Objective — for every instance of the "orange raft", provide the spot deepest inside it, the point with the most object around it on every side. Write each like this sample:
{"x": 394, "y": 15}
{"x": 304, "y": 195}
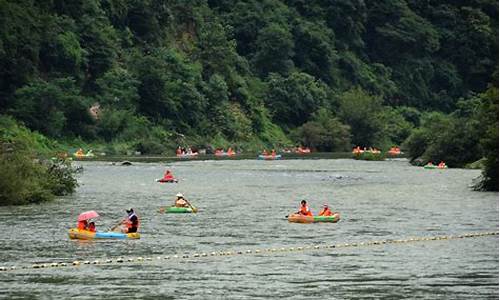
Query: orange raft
{"x": 297, "y": 218}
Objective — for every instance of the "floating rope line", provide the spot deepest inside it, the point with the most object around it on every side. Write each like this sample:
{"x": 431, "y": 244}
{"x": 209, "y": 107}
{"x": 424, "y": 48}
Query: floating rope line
{"x": 180, "y": 257}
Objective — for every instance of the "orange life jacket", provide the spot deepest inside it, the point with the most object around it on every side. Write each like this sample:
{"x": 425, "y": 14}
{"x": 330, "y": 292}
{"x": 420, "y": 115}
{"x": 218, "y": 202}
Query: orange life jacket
{"x": 82, "y": 225}
{"x": 304, "y": 210}
{"x": 128, "y": 223}
{"x": 325, "y": 212}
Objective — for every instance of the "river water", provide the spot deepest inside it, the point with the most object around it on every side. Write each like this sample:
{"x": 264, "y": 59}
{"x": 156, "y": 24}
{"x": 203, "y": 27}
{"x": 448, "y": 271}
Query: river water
{"x": 242, "y": 205}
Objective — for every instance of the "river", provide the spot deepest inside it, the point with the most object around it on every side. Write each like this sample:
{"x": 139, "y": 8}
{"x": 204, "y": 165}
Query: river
{"x": 242, "y": 206}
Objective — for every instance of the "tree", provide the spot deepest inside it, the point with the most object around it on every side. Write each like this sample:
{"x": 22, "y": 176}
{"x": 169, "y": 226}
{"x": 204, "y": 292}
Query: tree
{"x": 65, "y": 111}
{"x": 315, "y": 51}
{"x": 293, "y": 99}
{"x": 275, "y": 50}
{"x": 324, "y": 133}
{"x": 488, "y": 114}
{"x": 118, "y": 88}
{"x": 360, "y": 110}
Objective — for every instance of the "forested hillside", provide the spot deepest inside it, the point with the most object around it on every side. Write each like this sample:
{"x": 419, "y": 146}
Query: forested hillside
{"x": 250, "y": 74}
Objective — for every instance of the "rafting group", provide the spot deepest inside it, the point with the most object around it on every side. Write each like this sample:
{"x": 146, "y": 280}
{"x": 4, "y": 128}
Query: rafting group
{"x": 128, "y": 227}
{"x": 221, "y": 152}
{"x": 431, "y": 165}
{"x": 358, "y": 150}
{"x": 269, "y": 155}
{"x": 80, "y": 154}
{"x": 185, "y": 152}
{"x": 304, "y": 215}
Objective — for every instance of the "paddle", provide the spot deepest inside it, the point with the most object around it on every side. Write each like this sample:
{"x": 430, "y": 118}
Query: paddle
{"x": 114, "y": 227}
{"x": 192, "y": 208}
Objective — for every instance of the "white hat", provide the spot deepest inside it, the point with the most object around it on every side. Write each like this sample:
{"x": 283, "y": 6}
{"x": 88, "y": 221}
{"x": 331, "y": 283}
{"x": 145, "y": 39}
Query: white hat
{"x": 179, "y": 195}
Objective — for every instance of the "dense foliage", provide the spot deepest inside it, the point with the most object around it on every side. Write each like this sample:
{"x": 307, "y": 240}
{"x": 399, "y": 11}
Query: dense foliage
{"x": 25, "y": 177}
{"x": 252, "y": 74}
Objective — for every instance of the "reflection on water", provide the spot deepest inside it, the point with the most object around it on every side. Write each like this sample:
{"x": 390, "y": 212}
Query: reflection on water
{"x": 243, "y": 205}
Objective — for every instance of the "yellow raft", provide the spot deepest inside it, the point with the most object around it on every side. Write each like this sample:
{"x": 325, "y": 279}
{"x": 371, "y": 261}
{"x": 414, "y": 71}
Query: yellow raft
{"x": 81, "y": 234}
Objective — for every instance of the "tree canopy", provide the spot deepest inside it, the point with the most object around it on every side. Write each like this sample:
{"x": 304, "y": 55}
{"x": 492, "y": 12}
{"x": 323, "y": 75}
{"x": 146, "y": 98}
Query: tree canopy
{"x": 374, "y": 73}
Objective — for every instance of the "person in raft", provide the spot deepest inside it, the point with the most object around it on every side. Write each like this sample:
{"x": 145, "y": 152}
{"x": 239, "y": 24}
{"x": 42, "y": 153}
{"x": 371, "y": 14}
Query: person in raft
{"x": 82, "y": 225}
{"x": 325, "y": 211}
{"x": 131, "y": 223}
{"x": 304, "y": 209}
{"x": 91, "y": 227}
{"x": 180, "y": 201}
{"x": 168, "y": 176}
{"x": 85, "y": 225}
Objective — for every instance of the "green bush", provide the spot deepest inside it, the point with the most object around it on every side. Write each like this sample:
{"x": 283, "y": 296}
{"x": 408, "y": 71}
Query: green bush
{"x": 369, "y": 156}
{"x": 324, "y": 133}
{"x": 26, "y": 178}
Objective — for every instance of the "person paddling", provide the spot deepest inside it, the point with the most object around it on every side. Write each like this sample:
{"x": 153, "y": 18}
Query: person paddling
{"x": 180, "y": 201}
{"x": 325, "y": 211}
{"x": 304, "y": 209}
{"x": 131, "y": 222}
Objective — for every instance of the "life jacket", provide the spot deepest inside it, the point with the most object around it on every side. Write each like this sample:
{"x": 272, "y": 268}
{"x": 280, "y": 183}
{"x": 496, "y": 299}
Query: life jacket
{"x": 82, "y": 225}
{"x": 304, "y": 210}
{"x": 91, "y": 227}
{"x": 325, "y": 212}
{"x": 130, "y": 224}
{"x": 168, "y": 176}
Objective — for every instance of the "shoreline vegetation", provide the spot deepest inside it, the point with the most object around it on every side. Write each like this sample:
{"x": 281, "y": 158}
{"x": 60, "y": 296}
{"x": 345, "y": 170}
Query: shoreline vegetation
{"x": 27, "y": 173}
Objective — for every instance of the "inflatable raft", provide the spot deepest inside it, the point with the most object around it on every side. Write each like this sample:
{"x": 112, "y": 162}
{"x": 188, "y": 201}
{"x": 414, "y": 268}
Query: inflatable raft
{"x": 270, "y": 157}
{"x": 81, "y": 234}
{"x": 178, "y": 210}
{"x": 296, "y": 218}
{"x": 163, "y": 180}
{"x": 431, "y": 167}
{"x": 188, "y": 155}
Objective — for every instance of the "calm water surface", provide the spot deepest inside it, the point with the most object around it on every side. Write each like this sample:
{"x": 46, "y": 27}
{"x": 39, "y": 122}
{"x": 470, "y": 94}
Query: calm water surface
{"x": 243, "y": 205}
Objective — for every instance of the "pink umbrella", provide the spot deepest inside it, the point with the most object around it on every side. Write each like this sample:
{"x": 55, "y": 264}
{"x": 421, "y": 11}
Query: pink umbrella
{"x": 88, "y": 215}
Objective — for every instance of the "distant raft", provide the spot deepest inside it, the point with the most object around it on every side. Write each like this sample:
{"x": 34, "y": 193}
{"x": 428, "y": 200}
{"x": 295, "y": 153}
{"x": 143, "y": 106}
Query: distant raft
{"x": 178, "y": 210}
{"x": 187, "y": 155}
{"x": 431, "y": 167}
{"x": 297, "y": 218}
{"x": 81, "y": 234}
{"x": 270, "y": 157}
{"x": 167, "y": 180}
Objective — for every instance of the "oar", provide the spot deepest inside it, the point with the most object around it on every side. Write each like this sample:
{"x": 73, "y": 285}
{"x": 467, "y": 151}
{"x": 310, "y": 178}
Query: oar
{"x": 192, "y": 208}
{"x": 114, "y": 227}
